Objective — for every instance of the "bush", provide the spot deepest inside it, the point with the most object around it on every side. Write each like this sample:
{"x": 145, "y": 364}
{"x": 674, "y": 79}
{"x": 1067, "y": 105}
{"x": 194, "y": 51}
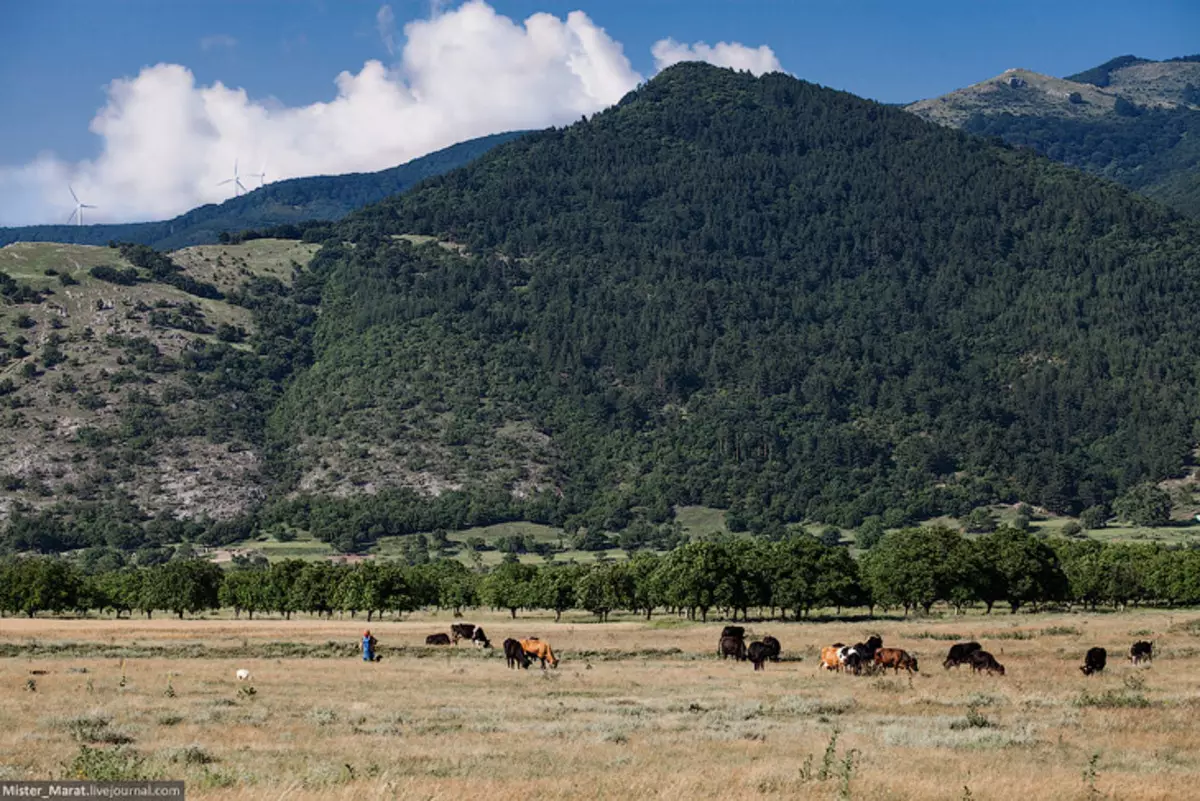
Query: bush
{"x": 114, "y": 275}
{"x": 1072, "y": 529}
{"x": 1093, "y": 518}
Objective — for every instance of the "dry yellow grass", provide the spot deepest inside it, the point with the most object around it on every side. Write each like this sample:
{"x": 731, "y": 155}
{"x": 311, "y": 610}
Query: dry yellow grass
{"x": 617, "y": 719}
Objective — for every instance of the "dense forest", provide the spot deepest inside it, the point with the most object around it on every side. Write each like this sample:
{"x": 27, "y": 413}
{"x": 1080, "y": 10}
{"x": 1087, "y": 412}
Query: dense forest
{"x": 910, "y": 570}
{"x": 322, "y": 197}
{"x": 1153, "y": 151}
{"x": 763, "y": 295}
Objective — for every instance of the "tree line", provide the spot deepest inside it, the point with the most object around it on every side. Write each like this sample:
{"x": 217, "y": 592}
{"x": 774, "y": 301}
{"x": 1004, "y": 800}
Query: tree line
{"x": 911, "y": 569}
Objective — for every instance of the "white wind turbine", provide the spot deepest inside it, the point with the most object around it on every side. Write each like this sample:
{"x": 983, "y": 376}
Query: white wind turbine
{"x": 77, "y": 215}
{"x": 238, "y": 187}
{"x": 261, "y": 175}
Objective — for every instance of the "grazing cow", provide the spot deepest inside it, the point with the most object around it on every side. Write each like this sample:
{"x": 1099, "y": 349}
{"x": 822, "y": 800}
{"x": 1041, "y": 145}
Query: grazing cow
{"x": 539, "y": 650}
{"x": 982, "y": 660}
{"x": 1094, "y": 661}
{"x": 243, "y": 675}
{"x": 773, "y": 647}
{"x": 732, "y": 646}
{"x": 896, "y": 658}
{"x": 960, "y": 654}
{"x": 734, "y": 631}
{"x": 852, "y": 661}
{"x": 1141, "y": 651}
{"x": 829, "y": 656}
{"x": 437, "y": 639}
{"x": 514, "y": 654}
{"x": 758, "y": 653}
{"x": 480, "y": 639}
{"x": 462, "y": 631}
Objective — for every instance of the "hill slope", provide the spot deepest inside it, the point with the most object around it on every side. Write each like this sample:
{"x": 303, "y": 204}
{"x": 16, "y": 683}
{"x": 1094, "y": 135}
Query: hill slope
{"x": 322, "y": 197}
{"x": 753, "y": 293}
{"x": 1131, "y": 120}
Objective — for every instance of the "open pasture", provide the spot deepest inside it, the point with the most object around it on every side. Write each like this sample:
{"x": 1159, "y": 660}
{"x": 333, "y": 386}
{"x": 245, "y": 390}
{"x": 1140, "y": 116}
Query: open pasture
{"x": 635, "y": 710}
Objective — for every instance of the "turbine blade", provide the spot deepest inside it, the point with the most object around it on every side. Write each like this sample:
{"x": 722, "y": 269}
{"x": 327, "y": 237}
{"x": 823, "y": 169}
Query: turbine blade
{"x": 222, "y": 183}
{"x": 72, "y": 191}
{"x": 71, "y": 216}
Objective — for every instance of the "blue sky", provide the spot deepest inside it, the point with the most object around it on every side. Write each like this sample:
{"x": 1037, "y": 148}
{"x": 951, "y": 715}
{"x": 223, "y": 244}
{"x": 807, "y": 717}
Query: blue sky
{"x": 58, "y": 56}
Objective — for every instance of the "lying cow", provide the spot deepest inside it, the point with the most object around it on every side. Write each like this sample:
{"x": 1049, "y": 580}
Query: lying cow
{"x": 896, "y": 658}
{"x": 982, "y": 660}
{"x": 758, "y": 653}
{"x": 960, "y": 654}
{"x": 1141, "y": 651}
{"x": 773, "y": 648}
{"x": 514, "y": 654}
{"x": 437, "y": 639}
{"x": 462, "y": 631}
{"x": 1094, "y": 661}
{"x": 732, "y": 646}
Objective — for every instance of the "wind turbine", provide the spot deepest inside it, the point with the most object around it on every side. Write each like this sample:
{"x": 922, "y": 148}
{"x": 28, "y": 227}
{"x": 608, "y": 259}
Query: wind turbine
{"x": 261, "y": 176}
{"x": 238, "y": 188}
{"x": 77, "y": 215}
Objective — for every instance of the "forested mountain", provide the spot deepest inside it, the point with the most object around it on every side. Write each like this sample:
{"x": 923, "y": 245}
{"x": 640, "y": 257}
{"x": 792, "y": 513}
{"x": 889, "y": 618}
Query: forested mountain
{"x": 1131, "y": 120}
{"x": 322, "y": 197}
{"x": 761, "y": 294}
{"x": 748, "y": 293}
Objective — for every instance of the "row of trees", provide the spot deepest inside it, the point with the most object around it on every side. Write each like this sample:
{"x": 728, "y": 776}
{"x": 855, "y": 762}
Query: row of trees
{"x": 911, "y": 569}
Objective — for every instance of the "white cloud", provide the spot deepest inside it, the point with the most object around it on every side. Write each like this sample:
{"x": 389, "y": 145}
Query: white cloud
{"x": 385, "y": 22}
{"x": 757, "y": 60}
{"x": 464, "y": 72}
{"x": 217, "y": 40}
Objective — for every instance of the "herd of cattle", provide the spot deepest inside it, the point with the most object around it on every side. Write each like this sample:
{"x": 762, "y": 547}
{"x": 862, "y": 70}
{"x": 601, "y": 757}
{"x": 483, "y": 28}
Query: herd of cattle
{"x": 863, "y": 657}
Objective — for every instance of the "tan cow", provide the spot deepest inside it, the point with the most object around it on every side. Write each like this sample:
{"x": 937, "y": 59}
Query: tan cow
{"x": 829, "y": 656}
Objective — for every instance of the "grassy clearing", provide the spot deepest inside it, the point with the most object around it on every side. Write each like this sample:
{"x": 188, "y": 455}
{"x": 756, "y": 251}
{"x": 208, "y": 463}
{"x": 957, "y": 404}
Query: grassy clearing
{"x": 635, "y": 710}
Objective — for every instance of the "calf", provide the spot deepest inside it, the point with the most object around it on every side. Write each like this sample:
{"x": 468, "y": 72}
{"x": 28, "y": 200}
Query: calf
{"x": 982, "y": 660}
{"x": 960, "y": 654}
{"x": 1141, "y": 651}
{"x": 462, "y": 631}
{"x": 896, "y": 658}
{"x": 773, "y": 647}
{"x": 437, "y": 639}
{"x": 734, "y": 631}
{"x": 514, "y": 654}
{"x": 480, "y": 639}
{"x": 732, "y": 646}
{"x": 758, "y": 653}
{"x": 1094, "y": 661}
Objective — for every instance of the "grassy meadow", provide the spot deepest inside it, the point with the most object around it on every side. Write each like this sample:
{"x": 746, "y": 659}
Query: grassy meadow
{"x": 635, "y": 710}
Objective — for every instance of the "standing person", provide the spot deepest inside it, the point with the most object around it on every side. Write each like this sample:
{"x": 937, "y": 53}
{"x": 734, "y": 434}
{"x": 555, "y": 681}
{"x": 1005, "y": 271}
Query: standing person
{"x": 368, "y": 646}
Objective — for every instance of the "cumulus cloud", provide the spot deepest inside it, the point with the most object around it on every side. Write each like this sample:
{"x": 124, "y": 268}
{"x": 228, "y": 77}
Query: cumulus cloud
{"x": 465, "y": 72}
{"x": 217, "y": 40}
{"x": 385, "y": 22}
{"x": 757, "y": 60}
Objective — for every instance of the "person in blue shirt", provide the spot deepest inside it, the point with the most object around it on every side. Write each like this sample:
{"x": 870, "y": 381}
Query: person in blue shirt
{"x": 368, "y": 646}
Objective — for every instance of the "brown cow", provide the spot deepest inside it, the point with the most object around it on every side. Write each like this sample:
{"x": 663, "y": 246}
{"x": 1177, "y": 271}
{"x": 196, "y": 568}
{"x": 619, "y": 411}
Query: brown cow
{"x": 758, "y": 653}
{"x": 829, "y": 656}
{"x": 437, "y": 639}
{"x": 982, "y": 660}
{"x": 732, "y": 646}
{"x": 896, "y": 658}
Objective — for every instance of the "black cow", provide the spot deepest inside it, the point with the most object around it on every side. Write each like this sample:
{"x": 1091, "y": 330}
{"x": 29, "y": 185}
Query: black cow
{"x": 480, "y": 639}
{"x": 960, "y": 654}
{"x": 1141, "y": 651}
{"x": 437, "y": 639}
{"x": 732, "y": 646}
{"x": 462, "y": 631}
{"x": 734, "y": 631}
{"x": 758, "y": 653}
{"x": 773, "y": 647}
{"x": 515, "y": 654}
{"x": 1094, "y": 661}
{"x": 982, "y": 660}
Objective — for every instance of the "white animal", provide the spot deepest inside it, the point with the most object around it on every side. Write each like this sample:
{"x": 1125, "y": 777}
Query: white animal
{"x": 243, "y": 675}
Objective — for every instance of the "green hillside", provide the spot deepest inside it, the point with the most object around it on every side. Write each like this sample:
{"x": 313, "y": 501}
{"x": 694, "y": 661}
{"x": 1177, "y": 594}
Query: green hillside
{"x": 755, "y": 294}
{"x": 322, "y": 197}
{"x": 750, "y": 295}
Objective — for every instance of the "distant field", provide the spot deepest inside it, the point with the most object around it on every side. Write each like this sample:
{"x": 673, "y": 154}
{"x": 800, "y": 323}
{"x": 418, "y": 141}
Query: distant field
{"x": 635, "y": 710}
